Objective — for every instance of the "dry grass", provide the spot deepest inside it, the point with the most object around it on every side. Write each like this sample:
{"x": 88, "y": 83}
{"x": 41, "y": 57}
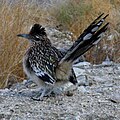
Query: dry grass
{"x": 74, "y": 16}
{"x": 14, "y": 19}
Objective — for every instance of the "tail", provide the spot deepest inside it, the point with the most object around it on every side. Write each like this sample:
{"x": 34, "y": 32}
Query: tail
{"x": 87, "y": 39}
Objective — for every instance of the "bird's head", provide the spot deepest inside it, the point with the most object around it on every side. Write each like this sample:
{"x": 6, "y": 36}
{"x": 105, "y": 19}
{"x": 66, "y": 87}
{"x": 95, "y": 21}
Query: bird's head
{"x": 35, "y": 34}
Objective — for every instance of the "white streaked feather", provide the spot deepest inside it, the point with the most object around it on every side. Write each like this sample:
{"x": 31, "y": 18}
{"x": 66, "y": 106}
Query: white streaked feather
{"x": 38, "y": 71}
{"x": 88, "y": 36}
{"x": 100, "y": 23}
{"x": 41, "y": 73}
{"x": 96, "y": 42}
{"x": 94, "y": 29}
{"x": 37, "y": 36}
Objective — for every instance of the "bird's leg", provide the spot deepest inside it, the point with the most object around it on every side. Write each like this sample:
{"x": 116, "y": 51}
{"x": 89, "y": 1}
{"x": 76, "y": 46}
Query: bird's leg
{"x": 38, "y": 95}
{"x": 42, "y": 93}
{"x": 28, "y": 83}
{"x": 48, "y": 91}
{"x": 58, "y": 90}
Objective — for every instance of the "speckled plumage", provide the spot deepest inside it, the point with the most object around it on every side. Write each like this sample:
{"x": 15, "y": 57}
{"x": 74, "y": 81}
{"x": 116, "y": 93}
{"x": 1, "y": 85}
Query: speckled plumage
{"x": 48, "y": 66}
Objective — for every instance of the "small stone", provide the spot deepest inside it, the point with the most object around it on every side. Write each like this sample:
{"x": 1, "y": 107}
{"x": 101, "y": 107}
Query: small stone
{"x": 69, "y": 93}
{"x": 82, "y": 89}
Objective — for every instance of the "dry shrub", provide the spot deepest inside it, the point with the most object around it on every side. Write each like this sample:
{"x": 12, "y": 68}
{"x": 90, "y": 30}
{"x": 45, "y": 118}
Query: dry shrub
{"x": 14, "y": 19}
{"x": 76, "y": 15}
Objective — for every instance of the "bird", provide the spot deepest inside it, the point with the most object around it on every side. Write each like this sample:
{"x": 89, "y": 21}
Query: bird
{"x": 49, "y": 67}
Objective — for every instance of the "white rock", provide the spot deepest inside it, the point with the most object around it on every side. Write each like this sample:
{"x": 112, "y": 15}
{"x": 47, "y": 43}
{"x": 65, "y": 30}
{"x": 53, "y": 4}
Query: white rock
{"x": 82, "y": 89}
{"x": 82, "y": 64}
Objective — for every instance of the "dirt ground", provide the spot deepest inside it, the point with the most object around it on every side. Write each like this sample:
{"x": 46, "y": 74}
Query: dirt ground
{"x": 96, "y": 98}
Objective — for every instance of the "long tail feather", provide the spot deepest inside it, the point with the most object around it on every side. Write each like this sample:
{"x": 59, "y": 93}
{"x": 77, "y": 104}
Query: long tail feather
{"x": 87, "y": 39}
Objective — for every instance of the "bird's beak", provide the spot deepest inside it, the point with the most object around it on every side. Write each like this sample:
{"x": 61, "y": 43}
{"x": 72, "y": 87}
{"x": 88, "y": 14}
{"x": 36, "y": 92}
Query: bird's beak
{"x": 27, "y": 36}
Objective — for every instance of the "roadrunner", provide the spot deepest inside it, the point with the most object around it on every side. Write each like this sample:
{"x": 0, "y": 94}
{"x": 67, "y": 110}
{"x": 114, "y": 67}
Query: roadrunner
{"x": 47, "y": 66}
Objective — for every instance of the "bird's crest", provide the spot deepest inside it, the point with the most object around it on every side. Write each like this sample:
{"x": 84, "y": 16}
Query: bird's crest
{"x": 37, "y": 29}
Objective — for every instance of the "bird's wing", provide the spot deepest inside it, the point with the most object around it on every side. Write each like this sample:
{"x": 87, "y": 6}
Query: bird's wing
{"x": 42, "y": 74}
{"x": 44, "y": 63}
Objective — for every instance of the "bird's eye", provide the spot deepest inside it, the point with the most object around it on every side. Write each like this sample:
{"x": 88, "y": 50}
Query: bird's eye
{"x": 37, "y": 38}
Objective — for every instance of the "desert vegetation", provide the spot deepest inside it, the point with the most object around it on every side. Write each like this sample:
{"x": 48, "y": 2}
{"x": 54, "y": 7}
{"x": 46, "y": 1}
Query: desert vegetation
{"x": 73, "y": 15}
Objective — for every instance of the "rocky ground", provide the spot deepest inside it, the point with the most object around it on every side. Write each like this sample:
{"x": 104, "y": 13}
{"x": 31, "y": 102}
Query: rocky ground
{"x": 96, "y": 98}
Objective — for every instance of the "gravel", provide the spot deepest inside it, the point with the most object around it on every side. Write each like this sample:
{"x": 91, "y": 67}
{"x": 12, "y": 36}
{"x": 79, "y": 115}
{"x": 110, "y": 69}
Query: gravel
{"x": 96, "y": 98}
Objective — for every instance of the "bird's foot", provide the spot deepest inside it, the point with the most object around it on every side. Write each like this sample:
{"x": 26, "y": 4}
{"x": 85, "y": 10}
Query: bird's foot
{"x": 37, "y": 98}
{"x": 29, "y": 83}
{"x": 41, "y": 94}
{"x": 57, "y": 91}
